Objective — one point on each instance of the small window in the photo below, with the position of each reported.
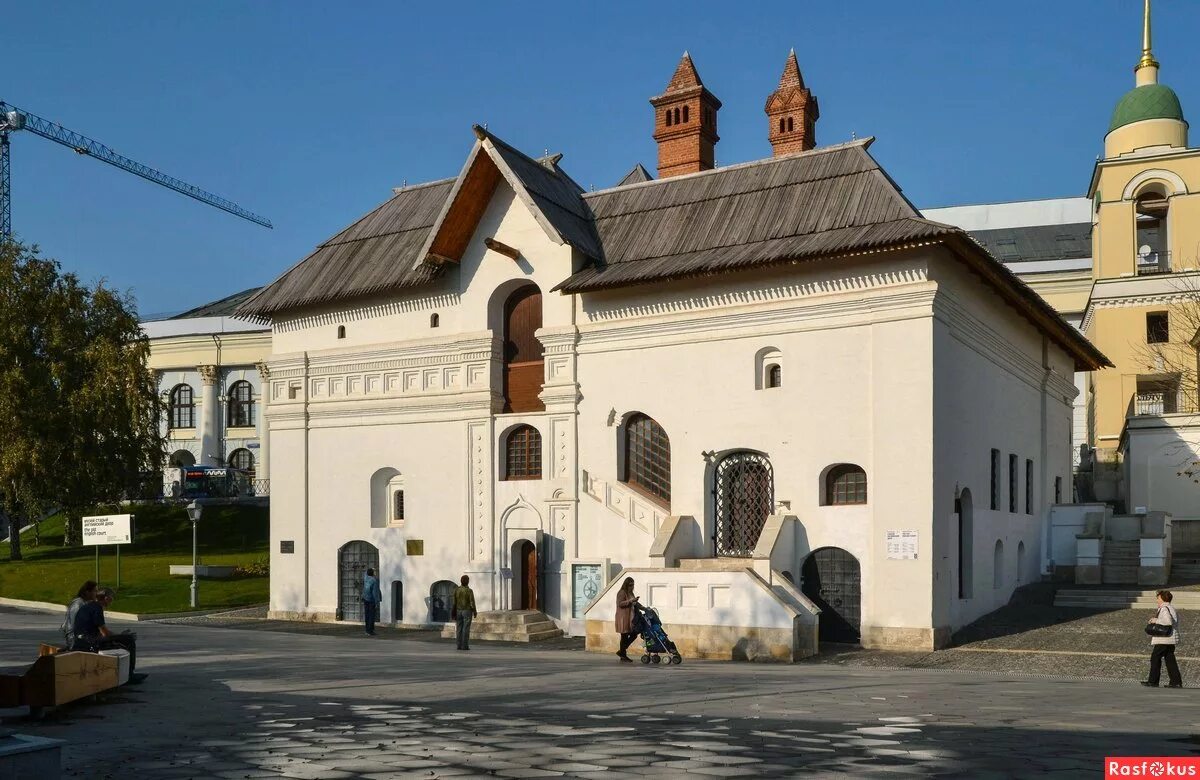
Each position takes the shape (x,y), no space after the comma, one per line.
(677,116)
(398,506)
(1158,329)
(685,114)
(774,375)
(1012,483)
(846,484)
(782,124)
(998,566)
(434,320)
(789,124)
(1058,490)
(995,479)
(341,331)
(523,454)
(668,115)
(1028,487)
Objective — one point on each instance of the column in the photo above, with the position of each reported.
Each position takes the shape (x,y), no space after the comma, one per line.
(262,464)
(209,418)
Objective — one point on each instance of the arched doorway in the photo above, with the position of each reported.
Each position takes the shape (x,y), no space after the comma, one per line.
(831,578)
(441,599)
(525,575)
(523,353)
(182,458)
(353,561)
(966,544)
(744,496)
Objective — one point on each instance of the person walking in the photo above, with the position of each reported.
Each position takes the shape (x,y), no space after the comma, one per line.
(371,597)
(462,612)
(624,622)
(1163,647)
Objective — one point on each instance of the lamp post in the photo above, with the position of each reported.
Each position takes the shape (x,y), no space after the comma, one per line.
(194,509)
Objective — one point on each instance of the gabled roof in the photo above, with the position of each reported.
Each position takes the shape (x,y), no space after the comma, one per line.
(219,308)
(1038,242)
(637,174)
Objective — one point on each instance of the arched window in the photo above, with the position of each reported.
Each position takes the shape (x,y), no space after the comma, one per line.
(441,598)
(1153,248)
(523,453)
(341,331)
(242,460)
(685,113)
(998,565)
(668,114)
(774,375)
(648,457)
(434,320)
(845,484)
(677,116)
(789,124)
(183,407)
(241,405)
(744,488)
(523,352)
(1020,562)
(398,506)
(781,124)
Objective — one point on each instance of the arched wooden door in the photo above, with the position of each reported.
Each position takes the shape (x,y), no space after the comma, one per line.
(353,561)
(831,578)
(529,576)
(523,353)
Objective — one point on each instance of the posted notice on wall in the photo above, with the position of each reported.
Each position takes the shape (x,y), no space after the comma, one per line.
(902,545)
(108,529)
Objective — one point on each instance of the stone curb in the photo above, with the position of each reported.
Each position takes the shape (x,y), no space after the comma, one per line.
(45,606)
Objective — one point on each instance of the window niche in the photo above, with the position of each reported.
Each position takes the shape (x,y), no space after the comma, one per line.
(843,484)
(388,507)
(768,369)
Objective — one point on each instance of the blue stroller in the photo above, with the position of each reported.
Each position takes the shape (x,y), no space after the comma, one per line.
(658,645)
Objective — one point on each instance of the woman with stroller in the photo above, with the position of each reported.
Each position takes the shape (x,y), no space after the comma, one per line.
(625,603)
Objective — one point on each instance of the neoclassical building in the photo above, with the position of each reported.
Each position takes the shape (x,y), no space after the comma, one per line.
(775,393)
(210,368)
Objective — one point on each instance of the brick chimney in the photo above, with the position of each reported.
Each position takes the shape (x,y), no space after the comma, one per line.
(792,112)
(685,123)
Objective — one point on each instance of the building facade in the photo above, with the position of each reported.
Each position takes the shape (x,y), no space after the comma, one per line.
(752,385)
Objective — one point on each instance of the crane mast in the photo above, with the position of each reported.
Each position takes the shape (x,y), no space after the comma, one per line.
(13,119)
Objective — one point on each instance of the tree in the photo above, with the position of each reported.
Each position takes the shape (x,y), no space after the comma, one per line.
(78,406)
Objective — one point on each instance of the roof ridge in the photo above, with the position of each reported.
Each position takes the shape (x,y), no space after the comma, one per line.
(410,187)
(861,142)
(373,235)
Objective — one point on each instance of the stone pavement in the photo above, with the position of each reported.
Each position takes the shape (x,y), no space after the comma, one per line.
(249,704)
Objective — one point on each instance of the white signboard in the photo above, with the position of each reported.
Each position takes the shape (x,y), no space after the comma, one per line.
(902,545)
(108,529)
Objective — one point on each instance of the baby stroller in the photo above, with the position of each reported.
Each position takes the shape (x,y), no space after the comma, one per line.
(647,623)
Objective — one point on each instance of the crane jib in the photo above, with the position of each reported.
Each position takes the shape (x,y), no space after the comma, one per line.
(13,119)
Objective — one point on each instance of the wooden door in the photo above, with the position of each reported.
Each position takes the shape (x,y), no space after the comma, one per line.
(523,353)
(529,576)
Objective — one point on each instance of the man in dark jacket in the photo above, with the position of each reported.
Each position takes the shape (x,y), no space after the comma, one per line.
(462,612)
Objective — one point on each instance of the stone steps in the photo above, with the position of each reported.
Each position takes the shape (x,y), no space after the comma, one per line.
(1111,598)
(716,564)
(509,626)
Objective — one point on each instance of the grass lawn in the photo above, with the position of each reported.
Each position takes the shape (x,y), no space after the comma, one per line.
(228,535)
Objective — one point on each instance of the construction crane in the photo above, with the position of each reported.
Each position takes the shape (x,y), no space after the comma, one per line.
(13,119)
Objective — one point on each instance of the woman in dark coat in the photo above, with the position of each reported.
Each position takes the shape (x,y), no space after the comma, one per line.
(624,621)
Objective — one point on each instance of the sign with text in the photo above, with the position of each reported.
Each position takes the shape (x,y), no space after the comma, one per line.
(902,545)
(107,529)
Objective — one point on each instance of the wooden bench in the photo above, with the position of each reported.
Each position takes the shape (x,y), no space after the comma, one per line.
(57,678)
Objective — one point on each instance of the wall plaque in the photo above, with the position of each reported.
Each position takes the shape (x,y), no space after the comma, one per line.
(287,547)
(902,545)
(415,546)
(586,582)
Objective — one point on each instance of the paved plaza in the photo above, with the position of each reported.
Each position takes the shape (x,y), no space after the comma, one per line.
(246,703)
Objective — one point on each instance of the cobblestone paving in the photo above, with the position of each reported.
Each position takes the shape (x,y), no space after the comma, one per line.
(250,704)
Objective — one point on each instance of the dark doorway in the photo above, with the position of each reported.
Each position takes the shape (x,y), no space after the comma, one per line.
(523,353)
(529,576)
(832,579)
(441,599)
(964,509)
(353,561)
(744,497)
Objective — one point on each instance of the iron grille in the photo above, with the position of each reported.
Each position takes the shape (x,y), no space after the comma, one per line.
(832,579)
(523,454)
(441,599)
(744,488)
(648,456)
(353,561)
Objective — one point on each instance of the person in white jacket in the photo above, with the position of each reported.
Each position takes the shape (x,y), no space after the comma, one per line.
(1163,647)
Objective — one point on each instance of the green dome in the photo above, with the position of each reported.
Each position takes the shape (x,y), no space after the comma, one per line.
(1152,101)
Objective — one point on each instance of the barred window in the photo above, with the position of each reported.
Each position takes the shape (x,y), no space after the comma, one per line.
(398,506)
(523,454)
(1012,483)
(241,405)
(846,484)
(995,479)
(1028,486)
(648,457)
(242,460)
(183,407)
(774,375)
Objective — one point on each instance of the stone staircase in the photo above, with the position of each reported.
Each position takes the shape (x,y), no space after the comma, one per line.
(1113,598)
(509,626)
(1119,565)
(716,564)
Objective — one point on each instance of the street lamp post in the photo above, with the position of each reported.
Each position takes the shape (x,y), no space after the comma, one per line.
(194,509)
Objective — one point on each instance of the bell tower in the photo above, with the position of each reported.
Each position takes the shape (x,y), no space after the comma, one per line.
(792,112)
(685,123)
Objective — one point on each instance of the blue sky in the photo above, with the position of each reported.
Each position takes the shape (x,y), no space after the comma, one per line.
(310,112)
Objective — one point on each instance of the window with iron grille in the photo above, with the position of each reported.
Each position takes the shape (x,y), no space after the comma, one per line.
(846,484)
(1012,483)
(744,493)
(995,479)
(183,407)
(398,506)
(1028,487)
(523,454)
(648,457)
(242,460)
(241,405)
(774,375)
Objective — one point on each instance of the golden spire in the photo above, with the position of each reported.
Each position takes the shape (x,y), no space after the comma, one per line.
(1147,60)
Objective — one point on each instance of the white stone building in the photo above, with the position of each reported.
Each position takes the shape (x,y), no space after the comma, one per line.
(723,382)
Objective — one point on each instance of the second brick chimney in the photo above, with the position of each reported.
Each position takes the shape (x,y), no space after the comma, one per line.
(792,112)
